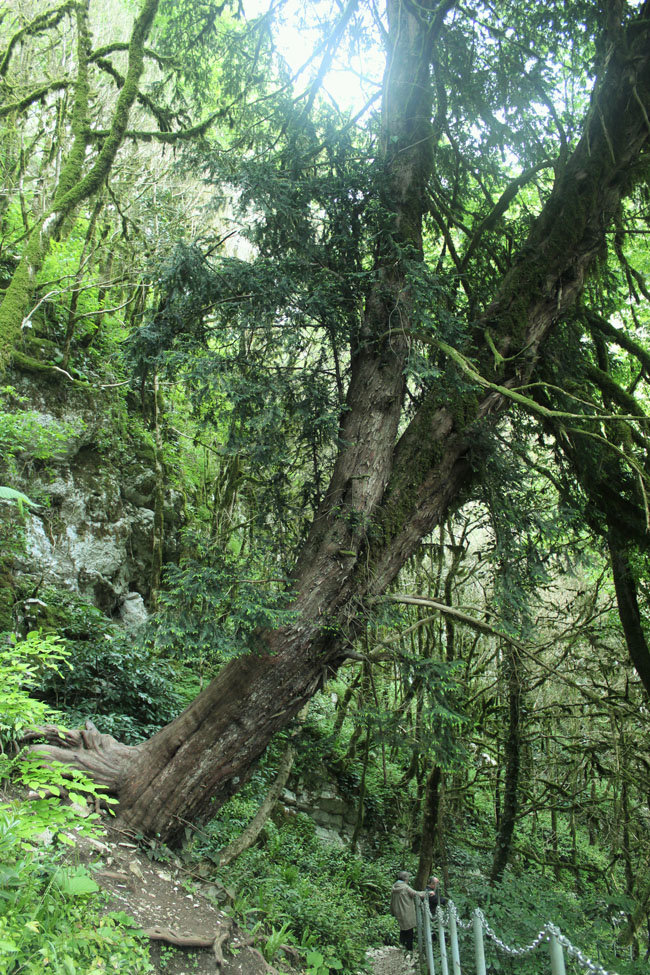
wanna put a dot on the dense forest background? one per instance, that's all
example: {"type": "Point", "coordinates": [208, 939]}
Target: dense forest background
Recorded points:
{"type": "Point", "coordinates": [323, 429]}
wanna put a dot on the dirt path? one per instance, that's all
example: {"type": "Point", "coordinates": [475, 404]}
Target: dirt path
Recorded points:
{"type": "Point", "coordinates": [391, 961]}
{"type": "Point", "coordinates": [166, 897]}
{"type": "Point", "coordinates": [170, 903]}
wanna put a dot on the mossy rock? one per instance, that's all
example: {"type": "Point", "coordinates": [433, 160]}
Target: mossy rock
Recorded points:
{"type": "Point", "coordinates": [144, 452]}
{"type": "Point", "coordinates": [36, 344]}
{"type": "Point", "coordinates": [7, 599]}
{"type": "Point", "coordinates": [29, 364]}
{"type": "Point", "coordinates": [60, 611]}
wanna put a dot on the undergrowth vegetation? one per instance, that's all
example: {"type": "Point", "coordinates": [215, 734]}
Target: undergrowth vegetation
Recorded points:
{"type": "Point", "coordinates": [51, 917]}
{"type": "Point", "coordinates": [360, 391]}
{"type": "Point", "coordinates": [323, 896]}
{"type": "Point", "coordinates": [296, 893]}
{"type": "Point", "coordinates": [126, 689]}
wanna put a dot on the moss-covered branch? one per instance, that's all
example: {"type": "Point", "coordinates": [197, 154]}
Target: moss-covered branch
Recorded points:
{"type": "Point", "coordinates": [608, 385]}
{"type": "Point", "coordinates": [165, 61]}
{"type": "Point", "coordinates": [73, 165]}
{"type": "Point", "coordinates": [26, 363]}
{"type": "Point", "coordinates": [532, 405]}
{"type": "Point", "coordinates": [162, 115]}
{"type": "Point", "coordinates": [74, 187]}
{"type": "Point", "coordinates": [42, 22]}
{"type": "Point", "coordinates": [620, 337]}
{"type": "Point", "coordinates": [36, 95]}
{"type": "Point", "coordinates": [116, 133]}
{"type": "Point", "coordinates": [180, 135]}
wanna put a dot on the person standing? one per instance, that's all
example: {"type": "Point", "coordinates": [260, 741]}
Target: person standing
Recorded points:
{"type": "Point", "coordinates": [402, 906]}
{"type": "Point", "coordinates": [435, 897]}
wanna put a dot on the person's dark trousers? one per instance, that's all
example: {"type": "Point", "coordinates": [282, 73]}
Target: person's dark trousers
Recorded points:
{"type": "Point", "coordinates": [406, 939]}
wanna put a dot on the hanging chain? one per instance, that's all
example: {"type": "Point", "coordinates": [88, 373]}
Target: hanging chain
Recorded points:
{"type": "Point", "coordinates": [508, 949]}
{"type": "Point", "coordinates": [549, 930]}
{"type": "Point", "coordinates": [451, 909]}
{"type": "Point", "coordinates": [579, 956]}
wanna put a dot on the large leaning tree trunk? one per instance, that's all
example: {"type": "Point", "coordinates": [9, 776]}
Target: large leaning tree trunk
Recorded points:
{"type": "Point", "coordinates": [388, 491]}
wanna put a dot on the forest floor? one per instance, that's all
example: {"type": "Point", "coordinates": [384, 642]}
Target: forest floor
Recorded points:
{"type": "Point", "coordinates": [174, 903]}
{"type": "Point", "coordinates": [178, 909]}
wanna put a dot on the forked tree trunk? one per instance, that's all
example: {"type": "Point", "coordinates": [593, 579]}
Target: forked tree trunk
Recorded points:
{"type": "Point", "coordinates": [385, 496]}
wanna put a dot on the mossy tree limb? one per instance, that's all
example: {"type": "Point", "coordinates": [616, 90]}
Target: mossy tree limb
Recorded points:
{"type": "Point", "coordinates": [74, 187]}
{"type": "Point", "coordinates": [37, 95]}
{"type": "Point", "coordinates": [42, 22]}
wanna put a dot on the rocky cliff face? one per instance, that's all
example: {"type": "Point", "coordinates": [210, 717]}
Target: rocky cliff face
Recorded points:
{"type": "Point", "coordinates": [334, 816]}
{"type": "Point", "coordinates": [94, 484]}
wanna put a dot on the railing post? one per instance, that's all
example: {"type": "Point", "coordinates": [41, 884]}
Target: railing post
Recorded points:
{"type": "Point", "coordinates": [426, 916]}
{"type": "Point", "coordinates": [419, 916]}
{"type": "Point", "coordinates": [444, 965]}
{"type": "Point", "coordinates": [479, 953]}
{"type": "Point", "coordinates": [453, 940]}
{"type": "Point", "coordinates": [557, 955]}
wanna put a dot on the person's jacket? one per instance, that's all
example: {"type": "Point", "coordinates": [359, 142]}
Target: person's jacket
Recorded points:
{"type": "Point", "coordinates": [402, 904]}
{"type": "Point", "coordinates": [435, 899]}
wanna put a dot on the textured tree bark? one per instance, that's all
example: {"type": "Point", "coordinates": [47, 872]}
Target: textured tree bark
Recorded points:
{"type": "Point", "coordinates": [628, 606]}
{"type": "Point", "coordinates": [508, 815]}
{"type": "Point", "coordinates": [385, 496]}
{"type": "Point", "coordinates": [429, 833]}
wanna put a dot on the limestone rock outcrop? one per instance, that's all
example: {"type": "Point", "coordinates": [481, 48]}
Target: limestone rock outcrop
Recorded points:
{"type": "Point", "coordinates": [92, 532]}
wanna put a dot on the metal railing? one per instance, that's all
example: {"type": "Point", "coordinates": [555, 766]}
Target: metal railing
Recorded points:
{"type": "Point", "coordinates": [448, 922]}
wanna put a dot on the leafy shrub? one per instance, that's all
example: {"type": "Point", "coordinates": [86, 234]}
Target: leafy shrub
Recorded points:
{"type": "Point", "coordinates": [327, 900]}
{"type": "Point", "coordinates": [127, 691]}
{"type": "Point", "coordinates": [49, 914]}
{"type": "Point", "coordinates": [48, 921]}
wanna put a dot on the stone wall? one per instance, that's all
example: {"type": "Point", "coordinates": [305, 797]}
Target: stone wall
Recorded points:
{"type": "Point", "coordinates": [332, 814]}
{"type": "Point", "coordinates": [92, 532]}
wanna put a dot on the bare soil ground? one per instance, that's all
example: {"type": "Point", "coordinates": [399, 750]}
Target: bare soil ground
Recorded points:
{"type": "Point", "coordinates": [391, 961]}
{"type": "Point", "coordinates": [182, 913]}
{"type": "Point", "coordinates": [190, 934]}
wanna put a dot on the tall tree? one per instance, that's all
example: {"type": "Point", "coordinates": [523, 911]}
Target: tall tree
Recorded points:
{"type": "Point", "coordinates": [402, 461]}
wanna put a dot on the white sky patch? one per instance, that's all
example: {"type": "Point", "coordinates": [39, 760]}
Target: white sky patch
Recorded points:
{"type": "Point", "coordinates": [352, 80]}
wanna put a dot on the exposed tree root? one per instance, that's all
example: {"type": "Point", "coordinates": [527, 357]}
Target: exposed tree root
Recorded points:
{"type": "Point", "coordinates": [217, 946]}
{"type": "Point", "coordinates": [103, 757]}
{"type": "Point", "coordinates": [171, 937]}
{"type": "Point", "coordinates": [267, 968]}
{"type": "Point", "coordinates": [293, 954]}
